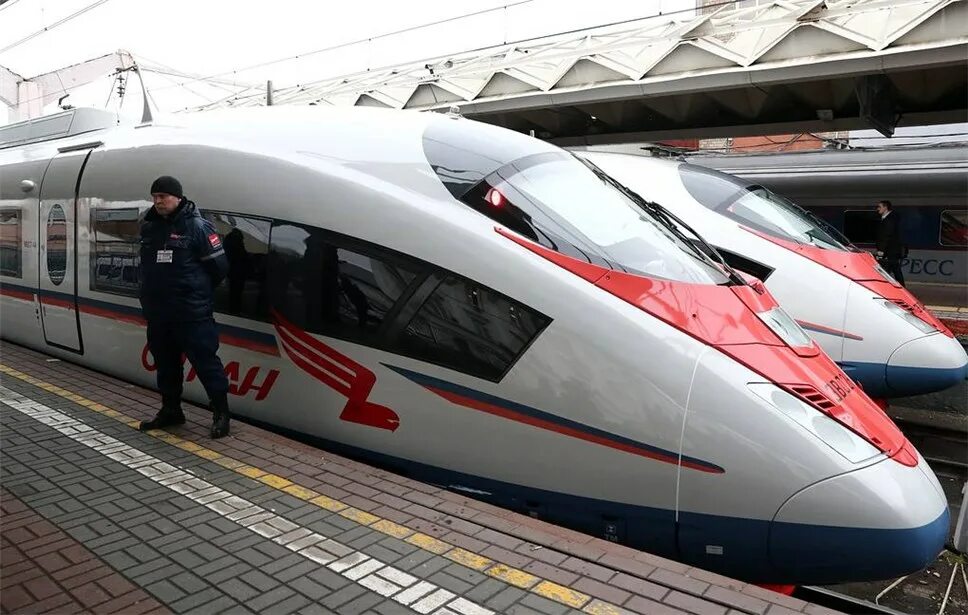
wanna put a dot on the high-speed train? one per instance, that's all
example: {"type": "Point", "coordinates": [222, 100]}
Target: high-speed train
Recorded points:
{"type": "Point", "coordinates": [879, 333]}
{"type": "Point", "coordinates": [925, 183]}
{"type": "Point", "coordinates": [482, 310]}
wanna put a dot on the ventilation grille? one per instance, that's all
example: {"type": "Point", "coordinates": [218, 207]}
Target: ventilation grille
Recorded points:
{"type": "Point", "coordinates": [812, 396]}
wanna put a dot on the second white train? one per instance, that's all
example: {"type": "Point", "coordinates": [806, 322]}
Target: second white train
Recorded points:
{"type": "Point", "coordinates": [876, 330]}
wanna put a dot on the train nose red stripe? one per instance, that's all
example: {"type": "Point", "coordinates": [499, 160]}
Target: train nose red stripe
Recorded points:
{"type": "Point", "coordinates": [727, 320]}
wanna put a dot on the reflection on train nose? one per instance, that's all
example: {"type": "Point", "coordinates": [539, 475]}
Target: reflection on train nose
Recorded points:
{"type": "Point", "coordinates": [880, 522]}
{"type": "Point", "coordinates": [932, 363]}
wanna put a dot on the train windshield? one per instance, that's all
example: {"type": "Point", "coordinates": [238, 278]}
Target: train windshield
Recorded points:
{"type": "Point", "coordinates": [759, 208]}
{"type": "Point", "coordinates": [560, 202]}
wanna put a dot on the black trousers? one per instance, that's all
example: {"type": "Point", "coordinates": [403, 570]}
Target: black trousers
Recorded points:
{"type": "Point", "coordinates": [893, 267]}
{"type": "Point", "coordinates": [198, 340]}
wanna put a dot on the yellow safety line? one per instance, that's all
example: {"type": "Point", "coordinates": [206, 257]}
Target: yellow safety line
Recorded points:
{"type": "Point", "coordinates": [513, 576]}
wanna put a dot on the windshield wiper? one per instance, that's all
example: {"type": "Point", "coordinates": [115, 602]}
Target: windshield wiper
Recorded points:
{"type": "Point", "coordinates": [673, 223]}
{"type": "Point", "coordinates": [829, 228]}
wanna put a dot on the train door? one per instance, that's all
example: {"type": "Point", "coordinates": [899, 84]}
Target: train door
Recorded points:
{"type": "Point", "coordinates": [57, 252]}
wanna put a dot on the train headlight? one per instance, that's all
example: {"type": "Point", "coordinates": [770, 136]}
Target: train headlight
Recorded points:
{"type": "Point", "coordinates": [785, 327]}
{"type": "Point", "coordinates": [838, 437]}
{"type": "Point", "coordinates": [897, 310]}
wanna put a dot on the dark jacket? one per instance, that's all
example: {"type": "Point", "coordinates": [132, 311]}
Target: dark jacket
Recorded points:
{"type": "Point", "coordinates": [180, 290]}
{"type": "Point", "coordinates": [889, 237]}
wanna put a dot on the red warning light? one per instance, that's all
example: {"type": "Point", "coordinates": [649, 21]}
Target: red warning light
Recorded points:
{"type": "Point", "coordinates": [495, 198]}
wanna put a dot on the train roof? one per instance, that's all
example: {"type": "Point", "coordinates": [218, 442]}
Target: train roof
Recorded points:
{"type": "Point", "coordinates": [356, 136]}
{"type": "Point", "coordinates": [951, 157]}
{"type": "Point", "coordinates": [56, 126]}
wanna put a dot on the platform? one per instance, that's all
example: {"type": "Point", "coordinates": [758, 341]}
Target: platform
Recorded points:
{"type": "Point", "coordinates": [949, 302]}
{"type": "Point", "coordinates": [100, 517]}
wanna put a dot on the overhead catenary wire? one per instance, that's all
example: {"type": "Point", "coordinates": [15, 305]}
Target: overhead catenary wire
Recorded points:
{"type": "Point", "coordinates": [57, 23]}
{"type": "Point", "coordinates": [713, 5]}
{"type": "Point", "coordinates": [149, 69]}
{"type": "Point", "coordinates": [242, 95]}
{"type": "Point", "coordinates": [6, 4]}
{"type": "Point", "coordinates": [358, 41]}
{"type": "Point", "coordinates": [211, 78]}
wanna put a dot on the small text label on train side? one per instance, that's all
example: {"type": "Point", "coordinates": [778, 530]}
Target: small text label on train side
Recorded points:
{"type": "Point", "coordinates": [839, 387]}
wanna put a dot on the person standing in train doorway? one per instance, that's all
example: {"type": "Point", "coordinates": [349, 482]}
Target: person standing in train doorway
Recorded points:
{"type": "Point", "coordinates": [182, 261]}
{"type": "Point", "coordinates": [890, 248]}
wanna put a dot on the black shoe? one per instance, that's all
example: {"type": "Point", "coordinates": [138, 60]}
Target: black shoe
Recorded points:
{"type": "Point", "coordinates": [220, 417]}
{"type": "Point", "coordinates": [166, 417]}
{"type": "Point", "coordinates": [170, 414]}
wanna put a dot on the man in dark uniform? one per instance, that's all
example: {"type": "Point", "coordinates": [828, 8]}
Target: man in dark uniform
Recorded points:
{"type": "Point", "coordinates": [182, 261]}
{"type": "Point", "coordinates": [890, 248]}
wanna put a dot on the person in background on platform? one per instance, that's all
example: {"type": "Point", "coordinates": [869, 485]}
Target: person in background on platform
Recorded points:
{"type": "Point", "coordinates": [890, 248]}
{"type": "Point", "coordinates": [182, 261]}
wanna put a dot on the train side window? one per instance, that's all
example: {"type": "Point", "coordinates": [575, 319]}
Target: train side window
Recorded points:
{"type": "Point", "coordinates": [326, 287]}
{"type": "Point", "coordinates": [860, 225]}
{"type": "Point", "coordinates": [246, 242]}
{"type": "Point", "coordinates": [470, 328]}
{"type": "Point", "coordinates": [11, 251]}
{"type": "Point", "coordinates": [115, 259]}
{"type": "Point", "coordinates": [954, 228]}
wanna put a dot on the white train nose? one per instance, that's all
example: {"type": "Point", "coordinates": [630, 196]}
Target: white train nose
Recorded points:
{"type": "Point", "coordinates": [882, 521]}
{"type": "Point", "coordinates": [931, 363]}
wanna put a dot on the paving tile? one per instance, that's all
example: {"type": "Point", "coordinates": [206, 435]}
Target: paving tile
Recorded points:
{"type": "Point", "coordinates": [650, 607]}
{"type": "Point", "coordinates": [189, 583]}
{"type": "Point", "coordinates": [40, 588]}
{"type": "Point", "coordinates": [115, 584]}
{"type": "Point", "coordinates": [737, 600]}
{"type": "Point", "coordinates": [260, 580]}
{"type": "Point", "coordinates": [300, 569]}
{"type": "Point", "coordinates": [290, 605]}
{"type": "Point", "coordinates": [165, 591]}
{"type": "Point", "coordinates": [391, 608]}
{"type": "Point", "coordinates": [543, 605]}
{"type": "Point", "coordinates": [339, 598]}
{"type": "Point", "coordinates": [505, 598]}
{"type": "Point", "coordinates": [678, 581]}
{"type": "Point", "coordinates": [238, 589]}
{"type": "Point", "coordinates": [329, 579]}
{"type": "Point", "coordinates": [359, 605]}
{"type": "Point", "coordinates": [693, 604]}
{"type": "Point", "coordinates": [309, 588]}
{"type": "Point", "coordinates": [381, 553]}
{"type": "Point", "coordinates": [222, 604]}
{"type": "Point", "coordinates": [552, 573]}
{"type": "Point", "coordinates": [158, 574]}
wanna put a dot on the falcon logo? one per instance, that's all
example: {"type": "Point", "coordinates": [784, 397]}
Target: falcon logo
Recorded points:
{"type": "Point", "coordinates": [338, 372]}
{"type": "Point", "coordinates": [215, 241]}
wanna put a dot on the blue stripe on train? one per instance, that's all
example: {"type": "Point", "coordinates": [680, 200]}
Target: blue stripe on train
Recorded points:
{"type": "Point", "coordinates": [801, 553]}
{"type": "Point", "coordinates": [266, 339]}
{"type": "Point", "coordinates": [661, 454]}
{"type": "Point", "coordinates": [880, 380]}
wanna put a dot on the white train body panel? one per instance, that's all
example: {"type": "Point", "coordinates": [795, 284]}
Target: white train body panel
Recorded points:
{"type": "Point", "coordinates": [621, 416]}
{"type": "Point", "coordinates": [846, 318]}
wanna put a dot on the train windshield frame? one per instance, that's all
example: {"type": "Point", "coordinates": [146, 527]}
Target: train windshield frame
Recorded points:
{"type": "Point", "coordinates": [559, 201]}
{"type": "Point", "coordinates": [760, 208]}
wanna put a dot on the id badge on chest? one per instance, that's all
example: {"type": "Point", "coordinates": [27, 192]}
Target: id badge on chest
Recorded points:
{"type": "Point", "coordinates": [164, 256]}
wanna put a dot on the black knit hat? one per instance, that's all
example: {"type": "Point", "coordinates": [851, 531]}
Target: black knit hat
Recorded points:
{"type": "Point", "coordinates": [167, 185]}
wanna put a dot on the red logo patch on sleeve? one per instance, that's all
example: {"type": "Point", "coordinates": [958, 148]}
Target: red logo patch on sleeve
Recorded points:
{"type": "Point", "coordinates": [215, 241]}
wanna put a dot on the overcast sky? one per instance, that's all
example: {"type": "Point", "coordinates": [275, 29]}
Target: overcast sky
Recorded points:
{"type": "Point", "coordinates": [206, 37]}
